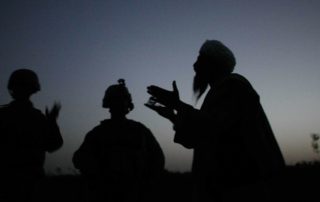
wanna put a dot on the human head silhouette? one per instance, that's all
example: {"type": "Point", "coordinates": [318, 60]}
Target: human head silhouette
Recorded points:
{"type": "Point", "coordinates": [214, 61]}
{"type": "Point", "coordinates": [118, 99]}
{"type": "Point", "coordinates": [23, 83]}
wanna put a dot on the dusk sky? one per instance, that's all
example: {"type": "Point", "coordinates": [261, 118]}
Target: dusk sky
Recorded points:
{"type": "Point", "coordinates": [78, 48]}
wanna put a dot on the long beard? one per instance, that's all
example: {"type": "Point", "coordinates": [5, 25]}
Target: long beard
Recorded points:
{"type": "Point", "coordinates": [200, 85]}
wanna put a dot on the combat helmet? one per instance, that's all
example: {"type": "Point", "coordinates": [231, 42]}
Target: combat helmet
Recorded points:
{"type": "Point", "coordinates": [23, 81]}
{"type": "Point", "coordinates": [117, 93]}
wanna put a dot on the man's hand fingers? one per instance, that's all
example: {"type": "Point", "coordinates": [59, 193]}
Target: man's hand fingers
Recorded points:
{"type": "Point", "coordinates": [153, 107]}
{"type": "Point", "coordinates": [175, 88]}
{"type": "Point", "coordinates": [57, 106]}
{"type": "Point", "coordinates": [156, 91]}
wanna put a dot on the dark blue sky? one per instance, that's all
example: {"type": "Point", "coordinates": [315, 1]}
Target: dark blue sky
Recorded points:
{"type": "Point", "coordinates": [79, 48]}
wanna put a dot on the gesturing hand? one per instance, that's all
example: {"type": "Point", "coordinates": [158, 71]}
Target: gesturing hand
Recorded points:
{"type": "Point", "coordinates": [53, 114]}
{"type": "Point", "coordinates": [163, 111]}
{"type": "Point", "coordinates": [164, 97]}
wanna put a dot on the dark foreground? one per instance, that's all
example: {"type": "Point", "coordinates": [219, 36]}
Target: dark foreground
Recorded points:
{"type": "Point", "coordinates": [301, 183]}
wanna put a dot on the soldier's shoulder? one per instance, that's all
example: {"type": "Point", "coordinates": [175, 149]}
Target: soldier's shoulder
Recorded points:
{"type": "Point", "coordinates": [136, 124]}
{"type": "Point", "coordinates": [37, 113]}
{"type": "Point", "coordinates": [100, 128]}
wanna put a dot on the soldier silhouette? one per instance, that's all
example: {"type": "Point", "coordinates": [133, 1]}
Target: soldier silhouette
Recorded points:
{"type": "Point", "coordinates": [119, 157]}
{"type": "Point", "coordinates": [26, 134]}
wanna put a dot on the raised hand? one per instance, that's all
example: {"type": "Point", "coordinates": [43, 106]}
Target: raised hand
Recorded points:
{"type": "Point", "coordinates": [163, 111]}
{"type": "Point", "coordinates": [164, 97]}
{"type": "Point", "coordinates": [54, 112]}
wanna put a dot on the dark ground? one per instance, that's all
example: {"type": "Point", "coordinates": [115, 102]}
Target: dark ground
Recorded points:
{"type": "Point", "coordinates": [173, 186]}
{"type": "Point", "coordinates": [300, 183]}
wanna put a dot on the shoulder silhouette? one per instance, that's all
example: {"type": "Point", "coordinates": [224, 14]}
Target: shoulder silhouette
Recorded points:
{"type": "Point", "coordinates": [119, 156]}
{"type": "Point", "coordinates": [26, 134]}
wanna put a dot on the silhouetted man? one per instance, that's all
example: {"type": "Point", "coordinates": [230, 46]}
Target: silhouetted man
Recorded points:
{"type": "Point", "coordinates": [26, 134]}
{"type": "Point", "coordinates": [235, 151]}
{"type": "Point", "coordinates": [120, 157]}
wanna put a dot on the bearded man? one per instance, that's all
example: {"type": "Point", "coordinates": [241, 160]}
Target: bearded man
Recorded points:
{"type": "Point", "coordinates": [236, 155]}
